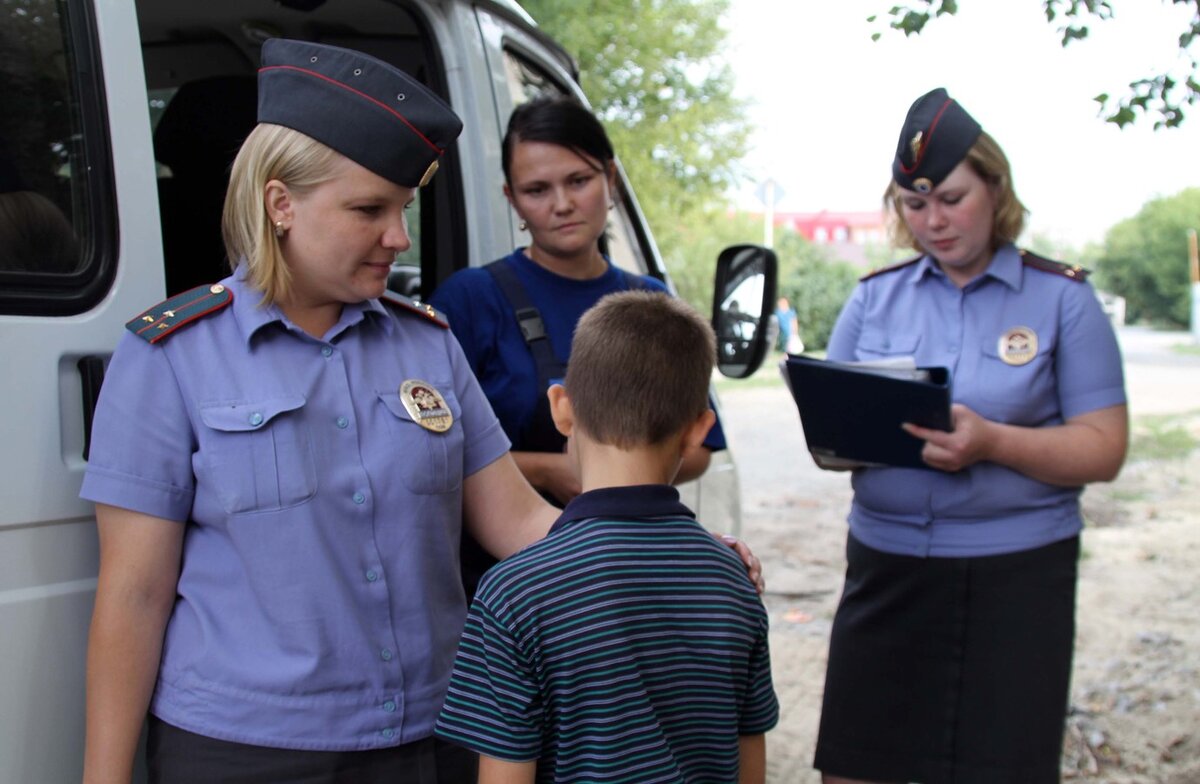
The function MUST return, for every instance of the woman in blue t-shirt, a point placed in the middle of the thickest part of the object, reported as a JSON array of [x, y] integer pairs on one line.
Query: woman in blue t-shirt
[[560, 177]]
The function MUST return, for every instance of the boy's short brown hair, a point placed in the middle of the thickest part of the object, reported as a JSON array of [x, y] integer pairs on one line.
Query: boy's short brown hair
[[640, 367]]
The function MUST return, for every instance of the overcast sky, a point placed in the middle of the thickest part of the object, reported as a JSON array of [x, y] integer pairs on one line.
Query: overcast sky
[[828, 103]]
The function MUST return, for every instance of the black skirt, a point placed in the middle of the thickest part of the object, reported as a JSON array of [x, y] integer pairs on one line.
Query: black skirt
[[950, 669], [176, 756]]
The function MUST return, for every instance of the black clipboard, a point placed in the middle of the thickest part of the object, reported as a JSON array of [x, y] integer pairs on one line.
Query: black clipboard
[[854, 414]]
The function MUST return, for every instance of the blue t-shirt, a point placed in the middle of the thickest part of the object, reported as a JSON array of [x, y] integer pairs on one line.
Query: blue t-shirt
[[628, 646], [915, 310], [318, 604], [484, 323]]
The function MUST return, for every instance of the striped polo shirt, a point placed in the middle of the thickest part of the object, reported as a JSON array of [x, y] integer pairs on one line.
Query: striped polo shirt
[[628, 645]]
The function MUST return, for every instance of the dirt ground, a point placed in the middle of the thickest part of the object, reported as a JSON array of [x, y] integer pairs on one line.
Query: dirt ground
[[1135, 704]]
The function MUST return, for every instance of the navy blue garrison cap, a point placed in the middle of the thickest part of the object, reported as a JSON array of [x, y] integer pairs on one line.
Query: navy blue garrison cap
[[366, 109], [936, 136]]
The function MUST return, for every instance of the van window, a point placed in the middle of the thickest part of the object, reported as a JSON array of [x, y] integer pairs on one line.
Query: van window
[[622, 243], [56, 246]]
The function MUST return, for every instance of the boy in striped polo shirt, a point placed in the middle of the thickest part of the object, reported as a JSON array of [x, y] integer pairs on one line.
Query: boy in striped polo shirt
[[628, 645]]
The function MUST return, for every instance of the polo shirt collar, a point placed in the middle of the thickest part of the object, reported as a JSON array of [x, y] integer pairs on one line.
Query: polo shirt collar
[[624, 503]]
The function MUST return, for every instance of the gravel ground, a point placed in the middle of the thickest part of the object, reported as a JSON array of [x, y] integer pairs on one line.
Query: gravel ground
[[1136, 687]]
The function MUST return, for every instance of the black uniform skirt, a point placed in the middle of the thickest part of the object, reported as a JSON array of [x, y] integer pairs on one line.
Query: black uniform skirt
[[950, 669]]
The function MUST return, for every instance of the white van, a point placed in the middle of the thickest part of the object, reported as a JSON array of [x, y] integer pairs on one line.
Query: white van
[[118, 119]]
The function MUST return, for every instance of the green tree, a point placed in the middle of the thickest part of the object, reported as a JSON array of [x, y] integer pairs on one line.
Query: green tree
[[1144, 259], [1161, 96], [816, 285], [654, 73], [690, 246]]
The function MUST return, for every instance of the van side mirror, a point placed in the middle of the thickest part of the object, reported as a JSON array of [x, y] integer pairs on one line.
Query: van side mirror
[[744, 292]]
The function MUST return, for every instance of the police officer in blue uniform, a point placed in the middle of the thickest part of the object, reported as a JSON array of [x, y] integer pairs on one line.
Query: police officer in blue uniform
[[282, 462], [951, 649]]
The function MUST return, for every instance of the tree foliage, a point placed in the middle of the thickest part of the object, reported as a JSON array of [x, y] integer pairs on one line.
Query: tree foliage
[[1144, 259], [654, 73], [816, 285], [1160, 96]]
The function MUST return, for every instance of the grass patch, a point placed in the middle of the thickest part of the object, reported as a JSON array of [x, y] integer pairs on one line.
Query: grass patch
[[1161, 437], [1128, 496]]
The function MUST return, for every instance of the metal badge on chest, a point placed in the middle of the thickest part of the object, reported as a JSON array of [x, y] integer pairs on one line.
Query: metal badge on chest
[[426, 405], [1018, 346]]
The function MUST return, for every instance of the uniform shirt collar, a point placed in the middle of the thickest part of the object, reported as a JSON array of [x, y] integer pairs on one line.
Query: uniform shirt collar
[[624, 503], [252, 316], [1006, 267]]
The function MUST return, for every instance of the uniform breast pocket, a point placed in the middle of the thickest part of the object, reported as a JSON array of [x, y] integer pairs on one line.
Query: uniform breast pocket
[[431, 461], [878, 343], [257, 456], [1018, 391]]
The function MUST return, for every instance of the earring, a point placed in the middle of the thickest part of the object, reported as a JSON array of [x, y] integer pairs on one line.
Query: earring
[[523, 226], [279, 231]]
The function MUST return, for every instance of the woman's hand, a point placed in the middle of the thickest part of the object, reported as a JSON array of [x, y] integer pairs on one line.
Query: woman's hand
[[1086, 448], [753, 565], [965, 445]]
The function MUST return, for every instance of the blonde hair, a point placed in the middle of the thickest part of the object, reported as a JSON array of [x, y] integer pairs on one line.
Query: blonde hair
[[988, 161], [270, 152]]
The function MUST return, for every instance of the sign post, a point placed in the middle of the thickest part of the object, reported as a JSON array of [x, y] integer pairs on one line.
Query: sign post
[[769, 193], [1194, 268]]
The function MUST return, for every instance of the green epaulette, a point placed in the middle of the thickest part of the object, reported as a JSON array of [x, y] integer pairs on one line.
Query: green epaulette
[[169, 315], [1072, 271], [891, 267], [407, 305]]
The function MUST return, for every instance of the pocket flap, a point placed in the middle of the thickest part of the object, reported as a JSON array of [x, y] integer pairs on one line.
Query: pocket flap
[[878, 341], [242, 417]]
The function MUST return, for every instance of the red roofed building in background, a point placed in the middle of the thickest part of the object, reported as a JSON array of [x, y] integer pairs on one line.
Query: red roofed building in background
[[848, 234]]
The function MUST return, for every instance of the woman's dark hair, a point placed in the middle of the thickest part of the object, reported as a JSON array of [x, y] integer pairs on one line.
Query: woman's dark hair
[[556, 120]]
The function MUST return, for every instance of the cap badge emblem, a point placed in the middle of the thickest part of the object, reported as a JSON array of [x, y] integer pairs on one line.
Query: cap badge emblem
[[426, 405], [922, 185], [915, 145], [1018, 346], [428, 175]]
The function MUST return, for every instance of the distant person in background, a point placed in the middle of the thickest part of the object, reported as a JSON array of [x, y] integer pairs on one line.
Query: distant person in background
[[951, 648], [789, 328]]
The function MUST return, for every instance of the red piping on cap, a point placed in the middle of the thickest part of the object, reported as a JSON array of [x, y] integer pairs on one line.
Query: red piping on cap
[[917, 163], [361, 94]]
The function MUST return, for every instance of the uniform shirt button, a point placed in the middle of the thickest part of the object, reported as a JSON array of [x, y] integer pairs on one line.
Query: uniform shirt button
[[389, 706], [255, 419], [389, 732], [372, 575], [326, 351], [359, 498], [386, 654], [343, 423]]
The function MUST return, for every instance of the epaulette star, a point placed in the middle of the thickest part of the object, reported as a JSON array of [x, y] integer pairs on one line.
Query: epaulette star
[[1072, 271], [169, 315], [407, 305]]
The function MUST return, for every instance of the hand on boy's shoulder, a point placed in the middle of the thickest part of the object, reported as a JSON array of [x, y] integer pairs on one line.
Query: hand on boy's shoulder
[[753, 565]]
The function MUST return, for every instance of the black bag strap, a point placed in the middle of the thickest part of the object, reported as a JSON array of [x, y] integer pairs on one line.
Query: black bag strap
[[529, 319]]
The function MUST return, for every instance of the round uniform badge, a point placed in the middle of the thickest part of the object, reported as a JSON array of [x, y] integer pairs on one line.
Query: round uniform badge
[[1018, 346], [426, 405]]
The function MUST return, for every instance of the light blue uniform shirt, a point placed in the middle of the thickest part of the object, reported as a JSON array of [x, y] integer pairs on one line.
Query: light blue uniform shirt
[[319, 603], [916, 310]]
